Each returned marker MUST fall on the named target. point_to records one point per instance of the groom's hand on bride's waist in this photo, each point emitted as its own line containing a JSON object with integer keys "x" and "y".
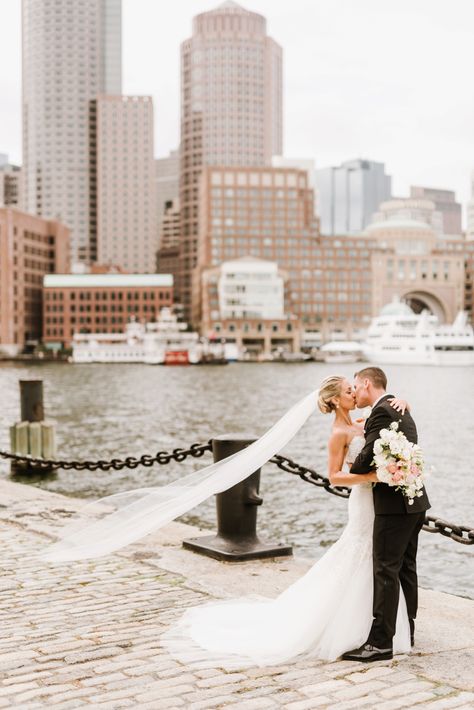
{"x": 373, "y": 477}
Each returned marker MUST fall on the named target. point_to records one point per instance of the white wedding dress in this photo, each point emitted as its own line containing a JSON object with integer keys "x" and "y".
{"x": 323, "y": 614}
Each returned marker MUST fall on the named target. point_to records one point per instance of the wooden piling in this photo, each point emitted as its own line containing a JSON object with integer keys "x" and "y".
{"x": 32, "y": 436}
{"x": 31, "y": 396}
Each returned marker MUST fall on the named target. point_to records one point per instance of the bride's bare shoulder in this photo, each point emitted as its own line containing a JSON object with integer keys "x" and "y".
{"x": 338, "y": 439}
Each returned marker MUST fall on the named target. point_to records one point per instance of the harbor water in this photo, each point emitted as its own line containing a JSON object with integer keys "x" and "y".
{"x": 106, "y": 411}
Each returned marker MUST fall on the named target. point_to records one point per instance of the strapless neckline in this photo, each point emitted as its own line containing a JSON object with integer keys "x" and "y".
{"x": 356, "y": 445}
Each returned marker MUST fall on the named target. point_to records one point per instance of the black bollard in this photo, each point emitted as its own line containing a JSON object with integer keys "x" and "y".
{"x": 236, "y": 508}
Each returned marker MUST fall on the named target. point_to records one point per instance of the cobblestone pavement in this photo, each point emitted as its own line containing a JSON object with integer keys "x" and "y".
{"x": 88, "y": 634}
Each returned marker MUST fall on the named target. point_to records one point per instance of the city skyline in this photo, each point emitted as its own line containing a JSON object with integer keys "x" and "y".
{"x": 71, "y": 53}
{"x": 349, "y": 90}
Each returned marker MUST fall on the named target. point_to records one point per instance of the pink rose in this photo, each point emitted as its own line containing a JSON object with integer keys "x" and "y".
{"x": 392, "y": 468}
{"x": 397, "y": 477}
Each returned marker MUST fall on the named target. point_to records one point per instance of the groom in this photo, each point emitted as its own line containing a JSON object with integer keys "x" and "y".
{"x": 396, "y": 523}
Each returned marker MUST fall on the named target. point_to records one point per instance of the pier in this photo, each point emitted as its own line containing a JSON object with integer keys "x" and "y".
{"x": 88, "y": 633}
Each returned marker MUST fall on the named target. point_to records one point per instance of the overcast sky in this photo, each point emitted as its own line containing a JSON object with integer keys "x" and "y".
{"x": 388, "y": 80}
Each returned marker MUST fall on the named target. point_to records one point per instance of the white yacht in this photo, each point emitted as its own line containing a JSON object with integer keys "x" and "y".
{"x": 400, "y": 336}
{"x": 163, "y": 342}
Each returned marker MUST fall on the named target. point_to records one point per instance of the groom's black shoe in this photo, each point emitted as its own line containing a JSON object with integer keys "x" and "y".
{"x": 367, "y": 653}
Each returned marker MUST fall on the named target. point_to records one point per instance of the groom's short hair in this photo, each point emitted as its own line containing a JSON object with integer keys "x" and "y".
{"x": 375, "y": 375}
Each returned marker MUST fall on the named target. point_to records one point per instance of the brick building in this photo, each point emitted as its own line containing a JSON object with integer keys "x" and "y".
{"x": 30, "y": 247}
{"x": 269, "y": 213}
{"x": 100, "y": 303}
{"x": 336, "y": 284}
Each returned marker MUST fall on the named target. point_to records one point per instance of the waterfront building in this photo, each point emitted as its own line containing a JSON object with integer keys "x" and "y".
{"x": 261, "y": 212}
{"x": 244, "y": 302}
{"x": 100, "y": 303}
{"x": 468, "y": 250}
{"x": 470, "y": 212}
{"x": 71, "y": 53}
{"x": 349, "y": 194}
{"x": 231, "y": 112}
{"x": 336, "y": 284}
{"x": 410, "y": 263}
{"x": 269, "y": 213}
{"x": 445, "y": 203}
{"x": 166, "y": 187}
{"x": 30, "y": 247}
{"x": 10, "y": 183}
{"x": 464, "y": 250}
{"x": 122, "y": 192}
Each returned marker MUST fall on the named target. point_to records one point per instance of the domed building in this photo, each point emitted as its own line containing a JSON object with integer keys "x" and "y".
{"x": 411, "y": 263}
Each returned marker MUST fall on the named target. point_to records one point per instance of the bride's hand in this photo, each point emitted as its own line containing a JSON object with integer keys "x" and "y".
{"x": 373, "y": 478}
{"x": 400, "y": 405}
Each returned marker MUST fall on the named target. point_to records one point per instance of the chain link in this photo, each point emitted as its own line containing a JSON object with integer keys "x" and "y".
{"x": 458, "y": 533}
{"x": 309, "y": 475}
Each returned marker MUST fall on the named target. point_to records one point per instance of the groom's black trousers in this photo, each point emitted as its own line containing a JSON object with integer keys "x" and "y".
{"x": 394, "y": 550}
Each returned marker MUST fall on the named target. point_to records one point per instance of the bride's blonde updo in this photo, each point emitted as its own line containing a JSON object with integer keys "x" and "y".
{"x": 329, "y": 388}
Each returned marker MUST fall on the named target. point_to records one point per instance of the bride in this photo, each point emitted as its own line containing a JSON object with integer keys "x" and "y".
{"x": 324, "y": 613}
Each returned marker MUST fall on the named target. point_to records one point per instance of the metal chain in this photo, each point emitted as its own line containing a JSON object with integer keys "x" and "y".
{"x": 161, "y": 458}
{"x": 458, "y": 533}
{"x": 309, "y": 475}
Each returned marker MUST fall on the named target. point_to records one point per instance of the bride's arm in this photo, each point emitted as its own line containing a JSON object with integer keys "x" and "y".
{"x": 337, "y": 447}
{"x": 399, "y": 405}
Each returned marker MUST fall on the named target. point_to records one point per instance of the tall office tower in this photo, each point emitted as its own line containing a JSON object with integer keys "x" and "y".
{"x": 231, "y": 111}
{"x": 71, "y": 53}
{"x": 166, "y": 186}
{"x": 122, "y": 192}
{"x": 349, "y": 194}
{"x": 10, "y": 183}
{"x": 445, "y": 202}
{"x": 470, "y": 212}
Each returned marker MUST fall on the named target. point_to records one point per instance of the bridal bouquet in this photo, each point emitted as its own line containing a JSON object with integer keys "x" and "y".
{"x": 399, "y": 463}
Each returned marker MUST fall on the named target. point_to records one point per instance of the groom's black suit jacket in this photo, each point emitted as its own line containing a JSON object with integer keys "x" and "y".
{"x": 387, "y": 500}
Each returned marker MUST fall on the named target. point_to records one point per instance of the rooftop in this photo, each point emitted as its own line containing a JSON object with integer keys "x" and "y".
{"x": 107, "y": 280}
{"x": 399, "y": 223}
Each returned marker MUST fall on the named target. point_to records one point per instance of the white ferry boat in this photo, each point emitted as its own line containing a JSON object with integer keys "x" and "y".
{"x": 400, "y": 336}
{"x": 163, "y": 342}
{"x": 341, "y": 351}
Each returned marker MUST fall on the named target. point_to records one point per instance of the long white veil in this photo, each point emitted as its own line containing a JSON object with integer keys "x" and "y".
{"x": 113, "y": 522}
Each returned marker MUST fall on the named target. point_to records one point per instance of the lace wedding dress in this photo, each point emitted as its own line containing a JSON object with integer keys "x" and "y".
{"x": 323, "y": 614}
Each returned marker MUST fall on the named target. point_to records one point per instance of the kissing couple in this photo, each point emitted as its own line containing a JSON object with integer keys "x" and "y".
{"x": 358, "y": 601}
